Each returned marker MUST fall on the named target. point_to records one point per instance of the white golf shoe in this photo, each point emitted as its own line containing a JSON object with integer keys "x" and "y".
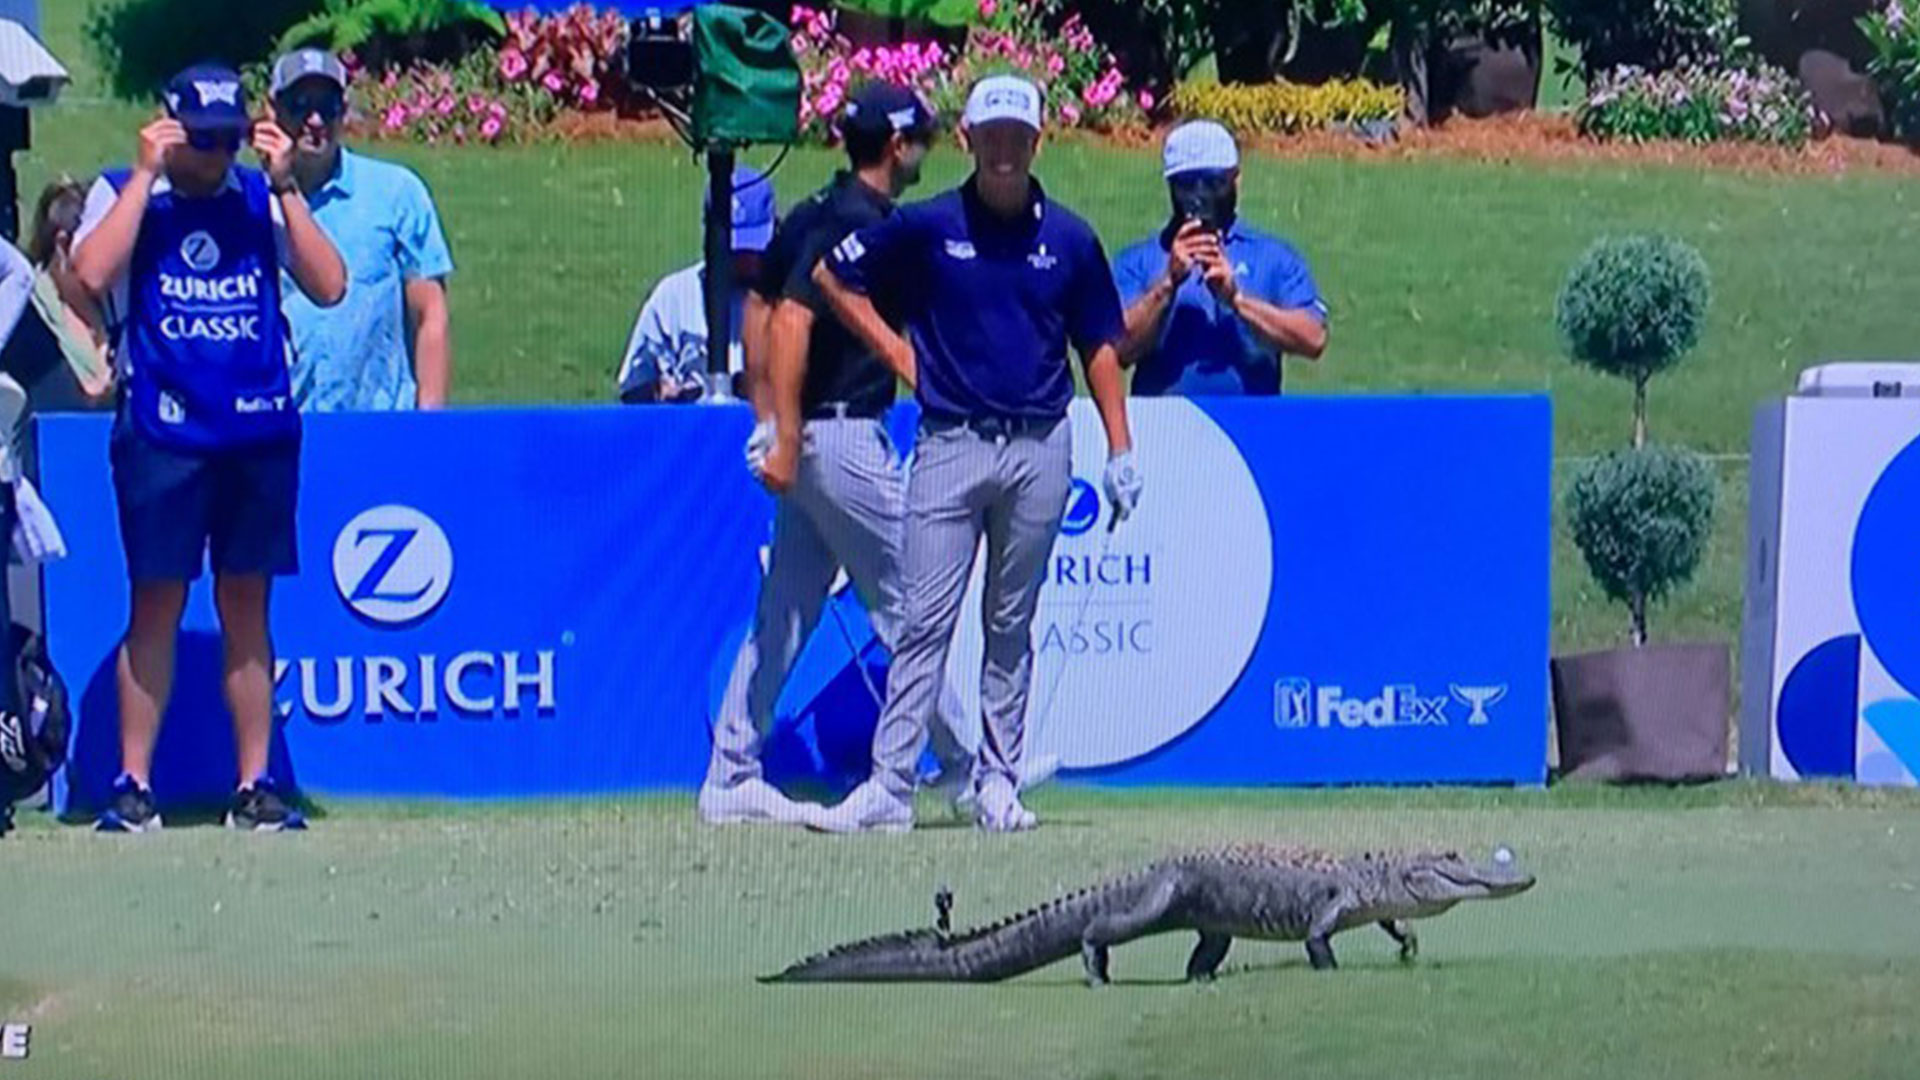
{"x": 752, "y": 801}
{"x": 869, "y": 808}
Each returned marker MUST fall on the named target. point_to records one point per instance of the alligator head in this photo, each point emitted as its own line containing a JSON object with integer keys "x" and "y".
{"x": 1448, "y": 879}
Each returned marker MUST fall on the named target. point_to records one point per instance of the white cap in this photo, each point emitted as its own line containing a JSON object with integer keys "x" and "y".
{"x": 1003, "y": 97}
{"x": 1199, "y": 144}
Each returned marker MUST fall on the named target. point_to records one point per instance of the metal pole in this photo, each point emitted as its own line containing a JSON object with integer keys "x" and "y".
{"x": 719, "y": 275}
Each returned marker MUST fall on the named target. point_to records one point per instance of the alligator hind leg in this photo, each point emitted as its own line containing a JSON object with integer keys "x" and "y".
{"x": 1402, "y": 933}
{"x": 1113, "y": 928}
{"x": 1207, "y": 955}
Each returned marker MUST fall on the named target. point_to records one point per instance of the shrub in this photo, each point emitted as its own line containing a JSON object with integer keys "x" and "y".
{"x": 1641, "y": 518}
{"x": 1289, "y": 107}
{"x": 1632, "y": 307}
{"x": 458, "y": 104}
{"x": 1081, "y": 82}
{"x": 1893, "y": 32}
{"x": 1698, "y": 104}
{"x": 140, "y": 44}
{"x": 348, "y": 25}
{"x": 1653, "y": 35}
{"x": 577, "y": 57}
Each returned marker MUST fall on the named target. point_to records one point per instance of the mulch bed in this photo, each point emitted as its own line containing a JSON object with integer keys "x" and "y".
{"x": 1522, "y": 138}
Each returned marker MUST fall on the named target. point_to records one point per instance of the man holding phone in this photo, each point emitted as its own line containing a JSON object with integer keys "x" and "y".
{"x": 1211, "y": 303}
{"x": 184, "y": 251}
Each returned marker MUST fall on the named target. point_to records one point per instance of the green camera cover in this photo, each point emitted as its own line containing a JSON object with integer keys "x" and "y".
{"x": 747, "y": 86}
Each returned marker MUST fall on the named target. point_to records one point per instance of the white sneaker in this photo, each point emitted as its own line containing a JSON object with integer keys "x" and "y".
{"x": 999, "y": 810}
{"x": 1033, "y": 772}
{"x": 752, "y": 801}
{"x": 870, "y": 808}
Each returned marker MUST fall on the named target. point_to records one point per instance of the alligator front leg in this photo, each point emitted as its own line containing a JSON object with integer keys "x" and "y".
{"x": 1403, "y": 933}
{"x": 1112, "y": 928}
{"x": 1320, "y": 932}
{"x": 1207, "y": 955}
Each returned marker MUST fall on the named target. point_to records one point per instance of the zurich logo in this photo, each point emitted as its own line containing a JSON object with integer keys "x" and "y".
{"x": 1083, "y": 509}
{"x": 199, "y": 250}
{"x": 392, "y": 565}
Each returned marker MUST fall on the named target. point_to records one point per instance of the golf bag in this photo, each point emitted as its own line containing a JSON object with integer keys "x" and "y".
{"x": 35, "y": 727}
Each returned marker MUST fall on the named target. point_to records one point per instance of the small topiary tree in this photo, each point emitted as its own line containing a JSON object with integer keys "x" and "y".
{"x": 1632, "y": 307}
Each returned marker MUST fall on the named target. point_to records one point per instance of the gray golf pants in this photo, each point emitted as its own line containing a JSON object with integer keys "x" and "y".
{"x": 846, "y": 508}
{"x": 1014, "y": 490}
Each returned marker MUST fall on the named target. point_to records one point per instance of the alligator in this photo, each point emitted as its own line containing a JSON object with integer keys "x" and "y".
{"x": 1252, "y": 891}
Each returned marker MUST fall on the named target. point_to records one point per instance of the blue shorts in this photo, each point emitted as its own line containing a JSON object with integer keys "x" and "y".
{"x": 175, "y": 507}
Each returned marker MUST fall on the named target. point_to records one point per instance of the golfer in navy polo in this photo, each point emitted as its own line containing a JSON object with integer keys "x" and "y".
{"x": 995, "y": 281}
{"x": 1213, "y": 303}
{"x": 184, "y": 250}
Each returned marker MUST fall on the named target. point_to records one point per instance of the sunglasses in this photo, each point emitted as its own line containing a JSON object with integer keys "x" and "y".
{"x": 297, "y": 107}
{"x": 225, "y": 140}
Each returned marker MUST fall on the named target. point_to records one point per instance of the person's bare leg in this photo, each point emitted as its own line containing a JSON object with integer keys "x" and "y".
{"x": 242, "y": 600}
{"x": 144, "y": 671}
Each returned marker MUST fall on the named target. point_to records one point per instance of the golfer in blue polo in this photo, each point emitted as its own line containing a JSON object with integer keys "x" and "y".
{"x": 184, "y": 251}
{"x": 995, "y": 280}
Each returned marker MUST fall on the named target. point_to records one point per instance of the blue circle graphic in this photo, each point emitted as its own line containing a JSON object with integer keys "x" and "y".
{"x": 1083, "y": 508}
{"x": 1886, "y": 568}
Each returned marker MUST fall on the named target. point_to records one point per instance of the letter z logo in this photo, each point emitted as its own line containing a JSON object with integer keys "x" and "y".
{"x": 392, "y": 565}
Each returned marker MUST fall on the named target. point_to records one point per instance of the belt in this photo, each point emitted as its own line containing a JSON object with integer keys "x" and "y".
{"x": 995, "y": 427}
{"x": 844, "y": 410}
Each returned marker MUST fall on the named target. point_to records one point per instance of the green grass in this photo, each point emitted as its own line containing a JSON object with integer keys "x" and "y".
{"x": 1720, "y": 932}
{"x": 1441, "y": 276}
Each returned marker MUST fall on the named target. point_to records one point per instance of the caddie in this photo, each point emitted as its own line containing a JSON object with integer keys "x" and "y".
{"x": 995, "y": 280}
{"x": 184, "y": 251}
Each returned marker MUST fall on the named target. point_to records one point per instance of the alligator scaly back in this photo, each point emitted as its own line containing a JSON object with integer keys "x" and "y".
{"x": 1013, "y": 946}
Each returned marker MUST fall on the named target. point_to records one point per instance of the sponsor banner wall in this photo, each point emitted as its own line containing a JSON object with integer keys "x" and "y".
{"x": 1833, "y": 615}
{"x": 527, "y": 602}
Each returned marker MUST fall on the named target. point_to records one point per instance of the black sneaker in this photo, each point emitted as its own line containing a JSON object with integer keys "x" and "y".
{"x": 131, "y": 810}
{"x": 259, "y": 808}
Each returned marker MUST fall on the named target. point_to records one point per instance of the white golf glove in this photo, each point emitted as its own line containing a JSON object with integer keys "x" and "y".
{"x": 759, "y": 445}
{"x": 36, "y": 536}
{"x": 1123, "y": 484}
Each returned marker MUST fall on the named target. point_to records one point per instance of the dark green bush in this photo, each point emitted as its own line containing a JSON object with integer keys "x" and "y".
{"x": 142, "y": 43}
{"x": 1633, "y": 305}
{"x": 1641, "y": 518}
{"x": 1651, "y": 35}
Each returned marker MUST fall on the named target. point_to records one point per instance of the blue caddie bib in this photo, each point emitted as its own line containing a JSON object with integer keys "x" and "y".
{"x": 206, "y": 343}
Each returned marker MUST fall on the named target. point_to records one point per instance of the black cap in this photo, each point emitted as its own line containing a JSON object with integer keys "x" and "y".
{"x": 884, "y": 108}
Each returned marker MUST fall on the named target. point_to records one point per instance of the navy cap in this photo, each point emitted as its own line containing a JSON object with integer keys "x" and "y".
{"x": 208, "y": 97}
{"x": 882, "y": 108}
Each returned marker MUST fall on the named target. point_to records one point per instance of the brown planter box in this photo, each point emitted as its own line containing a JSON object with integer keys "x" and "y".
{"x": 1658, "y": 712}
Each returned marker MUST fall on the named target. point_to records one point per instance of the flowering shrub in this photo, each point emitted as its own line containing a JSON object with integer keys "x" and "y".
{"x": 1698, "y": 104}
{"x": 1290, "y": 107}
{"x": 1081, "y": 82}
{"x": 1894, "y": 33}
{"x": 575, "y": 56}
{"x": 464, "y": 103}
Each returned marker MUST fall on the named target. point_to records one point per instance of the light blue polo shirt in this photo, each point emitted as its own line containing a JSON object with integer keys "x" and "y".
{"x": 358, "y": 356}
{"x": 1204, "y": 347}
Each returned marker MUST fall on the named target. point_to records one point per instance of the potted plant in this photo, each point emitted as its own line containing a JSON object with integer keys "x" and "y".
{"x": 1632, "y": 307}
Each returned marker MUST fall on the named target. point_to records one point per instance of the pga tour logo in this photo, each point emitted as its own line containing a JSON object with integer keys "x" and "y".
{"x": 1297, "y": 703}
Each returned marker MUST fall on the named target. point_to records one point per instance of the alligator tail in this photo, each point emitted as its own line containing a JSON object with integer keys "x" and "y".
{"x": 1025, "y": 942}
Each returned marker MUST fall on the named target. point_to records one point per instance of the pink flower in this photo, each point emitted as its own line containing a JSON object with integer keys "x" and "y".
{"x": 447, "y": 105}
{"x": 476, "y": 104}
{"x": 589, "y": 93}
{"x": 988, "y": 7}
{"x": 490, "y": 128}
{"x": 396, "y": 117}
{"x": 513, "y": 65}
{"x": 553, "y": 82}
{"x": 1146, "y": 101}
{"x": 1070, "y": 113}
{"x": 1055, "y": 65}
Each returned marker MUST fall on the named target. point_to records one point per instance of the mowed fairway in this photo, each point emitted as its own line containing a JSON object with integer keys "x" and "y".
{"x": 1737, "y": 932}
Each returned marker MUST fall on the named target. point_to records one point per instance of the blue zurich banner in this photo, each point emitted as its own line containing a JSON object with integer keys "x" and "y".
{"x": 497, "y": 603}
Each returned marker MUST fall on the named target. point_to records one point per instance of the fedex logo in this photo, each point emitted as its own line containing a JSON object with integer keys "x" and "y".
{"x": 1297, "y": 703}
